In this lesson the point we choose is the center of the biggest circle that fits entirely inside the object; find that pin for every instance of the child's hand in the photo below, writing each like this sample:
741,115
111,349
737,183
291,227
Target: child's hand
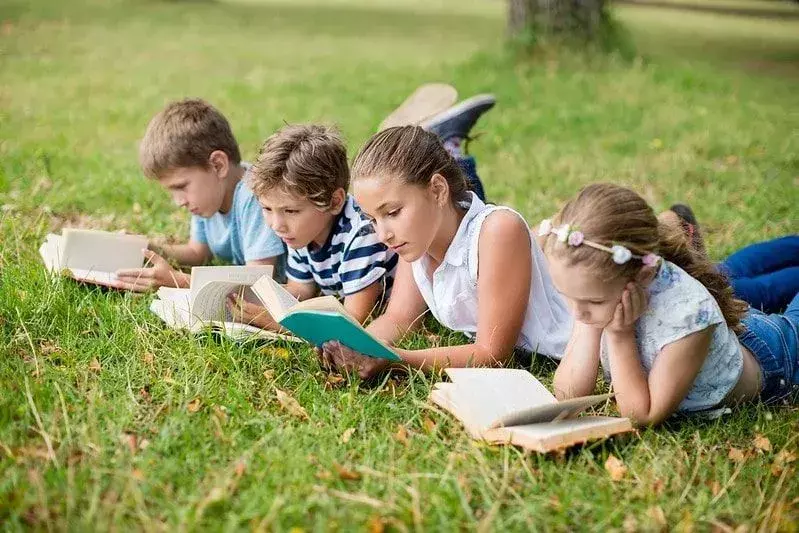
634,301
346,360
157,273
247,312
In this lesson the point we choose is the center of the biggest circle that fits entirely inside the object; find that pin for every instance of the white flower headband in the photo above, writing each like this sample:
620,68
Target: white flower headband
572,237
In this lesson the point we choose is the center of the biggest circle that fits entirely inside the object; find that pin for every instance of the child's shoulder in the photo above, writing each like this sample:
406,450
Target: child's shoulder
678,299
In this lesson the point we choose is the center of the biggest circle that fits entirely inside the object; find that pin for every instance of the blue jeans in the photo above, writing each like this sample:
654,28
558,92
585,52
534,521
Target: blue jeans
766,274
774,341
469,166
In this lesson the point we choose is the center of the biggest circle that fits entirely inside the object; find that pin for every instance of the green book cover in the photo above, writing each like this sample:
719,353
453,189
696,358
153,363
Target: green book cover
318,327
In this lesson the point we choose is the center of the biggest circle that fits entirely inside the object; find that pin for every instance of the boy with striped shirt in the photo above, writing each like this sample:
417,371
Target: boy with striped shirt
301,179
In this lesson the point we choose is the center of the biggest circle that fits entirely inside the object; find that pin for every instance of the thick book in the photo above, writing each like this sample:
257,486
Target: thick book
510,406
318,320
204,304
92,256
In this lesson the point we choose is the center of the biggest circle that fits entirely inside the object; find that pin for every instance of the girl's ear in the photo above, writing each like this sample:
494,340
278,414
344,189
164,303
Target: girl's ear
219,163
646,275
440,189
337,201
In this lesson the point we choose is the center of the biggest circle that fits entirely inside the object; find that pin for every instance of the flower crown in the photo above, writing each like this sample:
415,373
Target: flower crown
573,237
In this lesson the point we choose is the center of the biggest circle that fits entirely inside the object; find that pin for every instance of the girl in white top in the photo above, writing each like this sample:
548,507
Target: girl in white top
474,266
657,316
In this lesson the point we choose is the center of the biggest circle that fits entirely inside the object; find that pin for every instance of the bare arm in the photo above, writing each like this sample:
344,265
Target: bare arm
405,307
192,253
503,288
361,304
649,400
577,371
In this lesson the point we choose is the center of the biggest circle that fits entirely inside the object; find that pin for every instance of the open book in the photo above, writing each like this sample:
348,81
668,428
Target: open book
509,406
318,320
92,256
203,304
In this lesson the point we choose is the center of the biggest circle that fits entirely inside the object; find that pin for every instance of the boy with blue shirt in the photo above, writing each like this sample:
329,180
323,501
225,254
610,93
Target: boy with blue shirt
190,149
301,179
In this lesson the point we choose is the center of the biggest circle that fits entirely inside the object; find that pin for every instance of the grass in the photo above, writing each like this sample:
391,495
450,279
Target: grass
109,421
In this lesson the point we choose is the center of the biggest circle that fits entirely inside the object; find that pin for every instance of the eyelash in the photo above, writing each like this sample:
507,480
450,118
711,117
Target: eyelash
393,213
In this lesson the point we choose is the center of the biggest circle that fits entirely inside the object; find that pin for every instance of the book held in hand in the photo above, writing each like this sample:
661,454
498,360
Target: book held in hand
510,406
92,256
204,304
318,320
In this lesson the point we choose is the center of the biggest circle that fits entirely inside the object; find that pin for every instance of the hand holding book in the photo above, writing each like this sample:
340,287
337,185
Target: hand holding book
157,272
343,359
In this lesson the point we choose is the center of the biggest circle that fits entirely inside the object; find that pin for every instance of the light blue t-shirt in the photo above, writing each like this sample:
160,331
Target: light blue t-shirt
241,234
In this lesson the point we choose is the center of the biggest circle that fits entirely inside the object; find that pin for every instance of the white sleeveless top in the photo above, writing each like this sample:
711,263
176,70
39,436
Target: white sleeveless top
451,294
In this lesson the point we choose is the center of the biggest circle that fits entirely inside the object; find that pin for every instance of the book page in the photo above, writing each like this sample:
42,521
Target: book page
101,251
323,303
277,300
556,435
488,394
210,302
241,275
50,252
550,412
172,313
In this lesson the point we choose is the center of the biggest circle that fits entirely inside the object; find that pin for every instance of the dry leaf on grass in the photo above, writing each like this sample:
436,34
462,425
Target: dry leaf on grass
783,459
402,434
334,380
615,468
148,358
657,515
376,524
347,435
762,443
194,405
429,425
346,473
95,366
269,375
291,405
736,455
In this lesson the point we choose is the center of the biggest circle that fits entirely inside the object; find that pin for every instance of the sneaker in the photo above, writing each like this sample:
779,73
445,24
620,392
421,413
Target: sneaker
690,225
458,120
425,102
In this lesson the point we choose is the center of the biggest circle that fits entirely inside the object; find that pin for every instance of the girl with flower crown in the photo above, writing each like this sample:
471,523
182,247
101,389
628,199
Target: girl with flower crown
657,316
475,266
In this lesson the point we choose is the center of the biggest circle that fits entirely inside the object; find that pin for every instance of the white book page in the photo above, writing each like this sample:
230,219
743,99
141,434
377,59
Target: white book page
50,252
277,300
242,275
171,312
488,394
550,412
555,435
94,276
210,302
101,251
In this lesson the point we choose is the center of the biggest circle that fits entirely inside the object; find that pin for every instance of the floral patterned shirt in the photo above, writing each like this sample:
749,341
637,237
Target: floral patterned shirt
678,306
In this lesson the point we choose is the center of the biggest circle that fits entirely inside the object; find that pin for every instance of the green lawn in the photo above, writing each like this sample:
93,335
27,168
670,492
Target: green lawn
107,420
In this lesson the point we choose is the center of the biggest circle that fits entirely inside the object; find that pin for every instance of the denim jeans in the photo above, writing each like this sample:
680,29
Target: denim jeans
774,341
469,166
765,275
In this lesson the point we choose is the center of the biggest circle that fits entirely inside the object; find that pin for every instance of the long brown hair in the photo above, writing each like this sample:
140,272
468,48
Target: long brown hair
610,214
411,154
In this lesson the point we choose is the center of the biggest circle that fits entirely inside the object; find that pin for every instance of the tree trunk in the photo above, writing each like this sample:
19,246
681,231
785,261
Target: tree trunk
568,18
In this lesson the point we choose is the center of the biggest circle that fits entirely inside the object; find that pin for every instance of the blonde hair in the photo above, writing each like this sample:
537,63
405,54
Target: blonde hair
610,214
413,155
309,160
183,135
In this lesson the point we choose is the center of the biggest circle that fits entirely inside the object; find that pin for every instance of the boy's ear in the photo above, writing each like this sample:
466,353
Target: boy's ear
439,187
338,200
219,163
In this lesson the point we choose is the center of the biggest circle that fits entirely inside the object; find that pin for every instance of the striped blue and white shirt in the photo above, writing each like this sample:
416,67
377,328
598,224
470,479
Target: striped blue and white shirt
352,258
